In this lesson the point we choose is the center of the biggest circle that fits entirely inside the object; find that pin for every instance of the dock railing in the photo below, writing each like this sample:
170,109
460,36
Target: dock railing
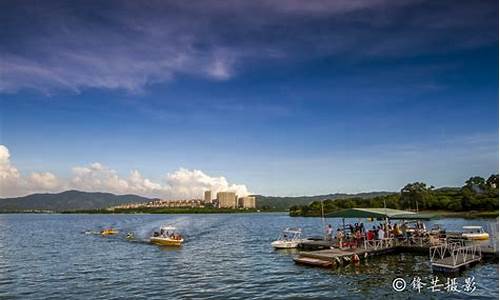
379,244
460,251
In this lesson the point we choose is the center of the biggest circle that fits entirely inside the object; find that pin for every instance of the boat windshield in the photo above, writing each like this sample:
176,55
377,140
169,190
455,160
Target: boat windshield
473,229
290,234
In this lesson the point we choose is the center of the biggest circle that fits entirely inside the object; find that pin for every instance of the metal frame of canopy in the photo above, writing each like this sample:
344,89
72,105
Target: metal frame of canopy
376,213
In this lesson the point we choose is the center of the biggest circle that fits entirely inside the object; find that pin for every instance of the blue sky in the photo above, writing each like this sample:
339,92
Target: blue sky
285,97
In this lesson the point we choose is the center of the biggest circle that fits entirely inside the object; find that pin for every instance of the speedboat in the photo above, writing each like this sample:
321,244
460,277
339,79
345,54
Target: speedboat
475,233
167,236
109,231
289,238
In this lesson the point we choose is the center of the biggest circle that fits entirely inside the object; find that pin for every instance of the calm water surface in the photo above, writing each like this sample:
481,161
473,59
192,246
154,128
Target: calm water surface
226,256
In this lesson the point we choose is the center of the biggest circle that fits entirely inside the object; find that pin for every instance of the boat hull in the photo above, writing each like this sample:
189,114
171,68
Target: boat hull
166,241
285,244
109,232
476,236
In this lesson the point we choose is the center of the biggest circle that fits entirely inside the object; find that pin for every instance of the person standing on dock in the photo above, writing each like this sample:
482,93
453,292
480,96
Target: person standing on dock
340,237
381,233
404,227
329,232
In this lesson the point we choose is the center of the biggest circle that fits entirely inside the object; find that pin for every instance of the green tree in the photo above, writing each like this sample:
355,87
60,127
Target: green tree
476,180
469,199
414,194
492,181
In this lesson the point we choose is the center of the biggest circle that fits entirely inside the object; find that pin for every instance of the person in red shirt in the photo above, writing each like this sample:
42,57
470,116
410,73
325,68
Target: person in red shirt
369,235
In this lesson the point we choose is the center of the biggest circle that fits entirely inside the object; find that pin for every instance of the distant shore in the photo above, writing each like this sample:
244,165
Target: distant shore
206,210
164,211
142,211
465,214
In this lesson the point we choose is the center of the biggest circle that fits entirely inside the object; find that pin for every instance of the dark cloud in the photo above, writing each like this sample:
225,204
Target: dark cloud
49,45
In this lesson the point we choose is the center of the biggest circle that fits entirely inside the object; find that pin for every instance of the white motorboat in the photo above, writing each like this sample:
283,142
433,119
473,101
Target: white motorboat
475,233
289,238
167,237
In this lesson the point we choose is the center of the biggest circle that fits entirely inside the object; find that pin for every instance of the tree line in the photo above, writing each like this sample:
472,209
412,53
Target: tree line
477,194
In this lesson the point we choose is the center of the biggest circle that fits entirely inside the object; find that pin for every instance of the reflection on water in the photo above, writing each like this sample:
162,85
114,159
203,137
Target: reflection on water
224,256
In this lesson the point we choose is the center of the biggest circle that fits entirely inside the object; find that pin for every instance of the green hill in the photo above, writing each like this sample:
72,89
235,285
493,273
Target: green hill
69,200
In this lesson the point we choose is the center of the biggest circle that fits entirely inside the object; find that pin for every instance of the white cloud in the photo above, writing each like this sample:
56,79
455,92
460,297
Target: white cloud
12,183
7,171
181,184
96,177
188,183
9,175
44,180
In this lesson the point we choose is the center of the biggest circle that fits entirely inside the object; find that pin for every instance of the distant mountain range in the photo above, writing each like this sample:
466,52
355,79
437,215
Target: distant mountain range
78,200
69,200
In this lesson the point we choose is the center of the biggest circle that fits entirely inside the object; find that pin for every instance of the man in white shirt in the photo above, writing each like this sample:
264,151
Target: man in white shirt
380,233
329,232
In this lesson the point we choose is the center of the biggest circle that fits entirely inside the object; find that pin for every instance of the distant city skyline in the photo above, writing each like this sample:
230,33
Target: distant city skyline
281,98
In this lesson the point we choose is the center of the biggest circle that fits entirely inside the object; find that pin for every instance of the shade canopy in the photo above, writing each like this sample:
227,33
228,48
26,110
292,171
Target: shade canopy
378,213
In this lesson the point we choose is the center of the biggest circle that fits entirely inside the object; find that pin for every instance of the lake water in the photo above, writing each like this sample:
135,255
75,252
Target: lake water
225,256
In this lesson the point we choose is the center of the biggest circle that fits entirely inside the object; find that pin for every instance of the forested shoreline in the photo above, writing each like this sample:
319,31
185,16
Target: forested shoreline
477,194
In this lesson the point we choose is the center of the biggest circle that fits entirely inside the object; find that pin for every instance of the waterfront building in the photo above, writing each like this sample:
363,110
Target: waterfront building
208,197
226,200
192,203
246,202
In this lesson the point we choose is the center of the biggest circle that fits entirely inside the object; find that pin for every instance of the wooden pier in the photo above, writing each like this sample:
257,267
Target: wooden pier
445,256
328,257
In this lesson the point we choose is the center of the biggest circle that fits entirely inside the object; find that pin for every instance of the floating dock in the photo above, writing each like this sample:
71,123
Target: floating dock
330,256
454,256
450,265
447,251
444,256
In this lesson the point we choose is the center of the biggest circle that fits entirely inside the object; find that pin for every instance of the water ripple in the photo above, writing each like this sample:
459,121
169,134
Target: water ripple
224,257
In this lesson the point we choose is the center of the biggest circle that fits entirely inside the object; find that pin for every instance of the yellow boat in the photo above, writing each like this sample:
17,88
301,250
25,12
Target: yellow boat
109,231
475,233
167,237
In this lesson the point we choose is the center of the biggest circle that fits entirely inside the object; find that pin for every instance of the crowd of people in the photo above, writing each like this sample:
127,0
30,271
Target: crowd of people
355,235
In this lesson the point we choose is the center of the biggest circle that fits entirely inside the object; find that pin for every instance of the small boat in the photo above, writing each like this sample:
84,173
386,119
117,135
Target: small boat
475,233
289,238
109,231
167,236
315,262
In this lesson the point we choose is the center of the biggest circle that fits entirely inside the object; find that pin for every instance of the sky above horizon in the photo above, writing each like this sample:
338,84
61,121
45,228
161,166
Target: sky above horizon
169,98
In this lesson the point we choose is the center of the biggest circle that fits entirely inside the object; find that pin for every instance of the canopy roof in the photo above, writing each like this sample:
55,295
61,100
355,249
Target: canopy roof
375,213
472,227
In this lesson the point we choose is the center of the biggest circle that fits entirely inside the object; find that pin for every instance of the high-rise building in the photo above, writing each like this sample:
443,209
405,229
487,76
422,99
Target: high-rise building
208,196
246,202
226,199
